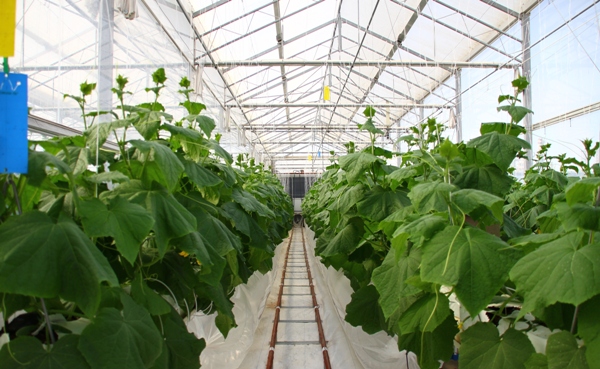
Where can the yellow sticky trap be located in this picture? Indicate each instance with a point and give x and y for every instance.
(310, 157)
(326, 93)
(8, 14)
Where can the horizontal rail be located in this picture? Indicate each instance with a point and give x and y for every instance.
(357, 63)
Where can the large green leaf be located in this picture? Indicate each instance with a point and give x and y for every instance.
(538, 278)
(501, 148)
(516, 112)
(181, 347)
(582, 191)
(167, 168)
(207, 124)
(121, 339)
(482, 348)
(250, 203)
(348, 198)
(244, 223)
(29, 353)
(37, 163)
(431, 196)
(103, 177)
(194, 108)
(431, 347)
(369, 126)
(184, 133)
(193, 244)
(171, 219)
(356, 164)
(390, 278)
(402, 174)
(424, 227)
(473, 261)
(485, 178)
(145, 296)
(216, 233)
(364, 311)
(347, 240)
(199, 175)
(379, 203)
(537, 361)
(470, 200)
(588, 327)
(127, 223)
(426, 314)
(98, 133)
(581, 216)
(149, 122)
(43, 258)
(563, 352)
(78, 158)
(515, 129)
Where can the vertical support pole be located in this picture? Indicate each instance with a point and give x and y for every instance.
(105, 56)
(528, 123)
(459, 128)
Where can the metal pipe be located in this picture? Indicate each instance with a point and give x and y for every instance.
(357, 63)
(343, 105)
(322, 340)
(278, 308)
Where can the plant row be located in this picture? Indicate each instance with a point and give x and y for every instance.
(451, 223)
(106, 255)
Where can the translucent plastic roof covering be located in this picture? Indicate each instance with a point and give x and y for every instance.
(275, 104)
(260, 66)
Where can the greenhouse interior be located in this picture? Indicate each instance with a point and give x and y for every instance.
(300, 184)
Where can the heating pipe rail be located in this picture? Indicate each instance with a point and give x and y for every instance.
(278, 308)
(316, 307)
(322, 340)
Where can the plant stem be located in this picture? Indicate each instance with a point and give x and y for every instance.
(47, 319)
(574, 323)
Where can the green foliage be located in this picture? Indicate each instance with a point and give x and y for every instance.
(453, 223)
(126, 264)
(483, 348)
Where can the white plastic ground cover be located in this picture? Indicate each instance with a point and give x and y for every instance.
(247, 345)
(367, 351)
(249, 302)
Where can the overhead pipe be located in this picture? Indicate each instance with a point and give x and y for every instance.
(357, 63)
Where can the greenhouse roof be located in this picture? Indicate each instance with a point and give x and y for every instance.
(270, 62)
(264, 68)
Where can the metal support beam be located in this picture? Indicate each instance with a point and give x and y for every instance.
(501, 7)
(309, 128)
(279, 39)
(567, 116)
(527, 122)
(478, 20)
(358, 63)
(50, 128)
(210, 52)
(342, 105)
(458, 102)
(209, 8)
(105, 56)
(452, 28)
(45, 68)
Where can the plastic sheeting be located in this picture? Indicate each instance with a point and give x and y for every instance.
(351, 347)
(249, 302)
(247, 345)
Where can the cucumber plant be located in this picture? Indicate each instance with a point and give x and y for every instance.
(114, 252)
(452, 223)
